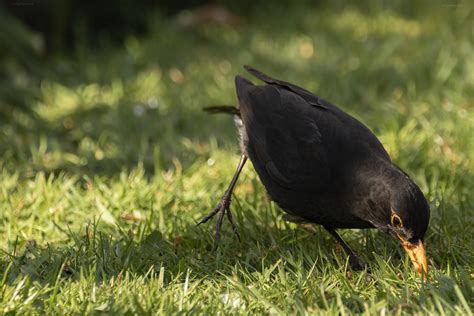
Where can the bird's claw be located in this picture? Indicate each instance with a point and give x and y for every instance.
(356, 263)
(223, 208)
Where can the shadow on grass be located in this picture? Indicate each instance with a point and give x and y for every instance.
(98, 255)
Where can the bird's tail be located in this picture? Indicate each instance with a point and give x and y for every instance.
(228, 109)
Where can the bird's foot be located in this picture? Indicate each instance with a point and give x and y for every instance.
(222, 208)
(356, 263)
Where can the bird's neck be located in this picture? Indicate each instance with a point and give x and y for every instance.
(374, 202)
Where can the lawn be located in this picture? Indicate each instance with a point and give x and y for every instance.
(110, 163)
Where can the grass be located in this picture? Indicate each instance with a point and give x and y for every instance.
(102, 184)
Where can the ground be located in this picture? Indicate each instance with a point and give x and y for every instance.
(104, 177)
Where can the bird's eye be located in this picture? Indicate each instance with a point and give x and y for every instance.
(396, 221)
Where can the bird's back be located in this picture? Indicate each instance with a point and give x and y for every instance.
(306, 155)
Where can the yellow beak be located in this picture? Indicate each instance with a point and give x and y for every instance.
(417, 255)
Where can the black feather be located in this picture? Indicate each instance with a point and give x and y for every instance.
(227, 109)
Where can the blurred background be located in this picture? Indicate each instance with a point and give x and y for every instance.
(92, 88)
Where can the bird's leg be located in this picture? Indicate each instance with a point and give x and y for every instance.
(354, 260)
(223, 207)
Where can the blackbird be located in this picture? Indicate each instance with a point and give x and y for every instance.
(322, 166)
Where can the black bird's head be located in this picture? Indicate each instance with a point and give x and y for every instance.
(408, 219)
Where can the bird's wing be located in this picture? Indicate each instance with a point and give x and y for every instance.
(284, 141)
(350, 124)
